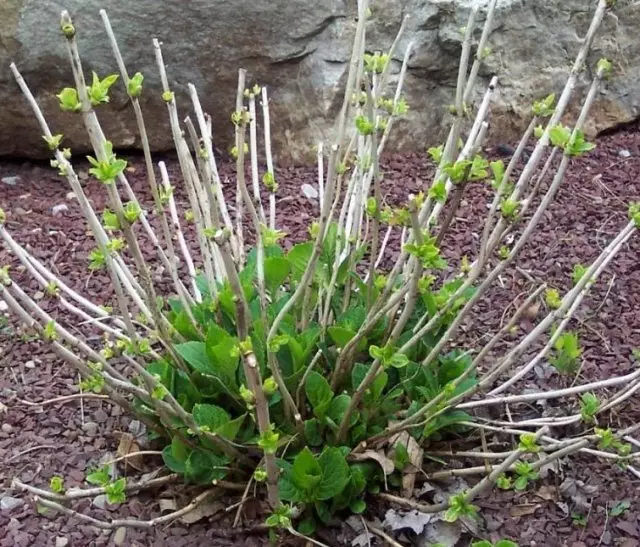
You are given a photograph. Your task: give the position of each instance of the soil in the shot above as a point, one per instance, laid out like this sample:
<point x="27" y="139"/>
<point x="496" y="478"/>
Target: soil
<point x="569" y="506"/>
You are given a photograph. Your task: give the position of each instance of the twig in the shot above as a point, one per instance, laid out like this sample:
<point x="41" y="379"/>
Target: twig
<point x="128" y="523"/>
<point x="133" y="455"/>
<point x="81" y="493"/>
<point x="386" y="537"/>
<point x="411" y="504"/>
<point x="32" y="449"/>
<point x="64" y="399"/>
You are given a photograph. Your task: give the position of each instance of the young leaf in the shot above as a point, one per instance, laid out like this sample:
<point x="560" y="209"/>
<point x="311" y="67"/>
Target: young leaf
<point x="69" y="101"/>
<point x="335" y="473"/>
<point x="319" y="393"/>
<point x="299" y="257"/>
<point x="134" y="86"/>
<point x="99" y="476"/>
<point x="203" y="467"/>
<point x="276" y="270"/>
<point x="341" y="335"/>
<point x="210" y="416"/>
<point x="306" y="472"/>
<point x="195" y="354"/>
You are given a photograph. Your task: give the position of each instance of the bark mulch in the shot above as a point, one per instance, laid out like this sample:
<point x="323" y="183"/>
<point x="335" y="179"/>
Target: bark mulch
<point x="571" y="507"/>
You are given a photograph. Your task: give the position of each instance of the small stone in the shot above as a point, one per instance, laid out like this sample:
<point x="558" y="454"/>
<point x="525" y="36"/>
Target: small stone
<point x="7" y="428"/>
<point x="100" y="501"/>
<point x="3" y="306"/>
<point x="83" y="175"/>
<point x="100" y="416"/>
<point x="624" y="153"/>
<point x="38" y="295"/>
<point x="119" y="536"/>
<point x="71" y="195"/>
<point x="62" y="541"/>
<point x="11" y="180"/>
<point x="309" y="191"/>
<point x="30" y="364"/>
<point x="90" y="428"/>
<point x="7" y="503"/>
<point x="59" y="209"/>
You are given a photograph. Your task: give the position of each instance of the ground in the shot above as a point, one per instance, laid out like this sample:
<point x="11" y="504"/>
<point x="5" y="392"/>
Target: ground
<point x="570" y="506"/>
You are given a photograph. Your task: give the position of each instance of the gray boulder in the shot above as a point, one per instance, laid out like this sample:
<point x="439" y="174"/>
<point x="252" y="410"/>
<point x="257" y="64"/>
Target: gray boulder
<point x="300" y="49"/>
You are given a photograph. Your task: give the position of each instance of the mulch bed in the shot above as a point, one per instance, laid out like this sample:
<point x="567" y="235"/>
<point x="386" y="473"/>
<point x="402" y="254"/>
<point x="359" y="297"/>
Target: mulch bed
<point x="65" y="439"/>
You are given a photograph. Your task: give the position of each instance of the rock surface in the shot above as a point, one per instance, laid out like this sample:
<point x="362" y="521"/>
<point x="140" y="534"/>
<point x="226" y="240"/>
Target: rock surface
<point x="300" y="49"/>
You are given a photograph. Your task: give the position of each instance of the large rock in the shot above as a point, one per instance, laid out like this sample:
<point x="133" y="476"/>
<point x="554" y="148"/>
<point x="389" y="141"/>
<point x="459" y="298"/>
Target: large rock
<point x="300" y="50"/>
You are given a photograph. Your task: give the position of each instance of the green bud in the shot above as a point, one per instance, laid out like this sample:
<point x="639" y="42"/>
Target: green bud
<point x="68" y="30"/>
<point x="260" y="475"/>
<point x="247" y="395"/>
<point x="4" y="276"/>
<point x="270" y="386"/>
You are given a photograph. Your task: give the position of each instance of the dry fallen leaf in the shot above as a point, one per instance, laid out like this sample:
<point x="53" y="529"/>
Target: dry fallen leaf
<point x="412" y="520"/>
<point x="387" y="465"/>
<point x="167" y="505"/>
<point x="128" y="445"/>
<point x="416" y="454"/>
<point x="207" y="508"/>
<point x="546" y="492"/>
<point x="524" y="509"/>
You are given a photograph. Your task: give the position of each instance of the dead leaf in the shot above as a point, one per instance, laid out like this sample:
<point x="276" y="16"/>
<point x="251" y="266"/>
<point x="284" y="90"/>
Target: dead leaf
<point x="128" y="445"/>
<point x="443" y="533"/>
<point x="387" y="465"/>
<point x="416" y="454"/>
<point x="524" y="509"/>
<point x="579" y="493"/>
<point x="546" y="492"/>
<point x="167" y="505"/>
<point x="205" y="509"/>
<point x="412" y="520"/>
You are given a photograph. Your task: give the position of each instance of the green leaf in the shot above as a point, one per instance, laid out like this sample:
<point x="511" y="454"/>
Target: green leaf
<point x="358" y="507"/>
<point x="276" y="270"/>
<point x="307" y="526"/>
<point x="341" y="335"/>
<point x="335" y="473"/>
<point x="195" y="354"/>
<point x="171" y="462"/>
<point x="231" y="429"/>
<point x="446" y="420"/>
<point x="299" y="257"/>
<point x="306" y="472"/>
<point x="134" y="86"/>
<point x="505" y="543"/>
<point x="99" y="90"/>
<point x="319" y="393"/>
<point x="99" y="476"/>
<point x="338" y="407"/>
<point x="312" y="432"/>
<point x="400" y="456"/>
<point x="620" y="508"/>
<point x="69" y="101"/>
<point x="224" y="360"/>
<point x="115" y="491"/>
<point x="323" y="511"/>
<point x="378" y="385"/>
<point x="483" y="543"/>
<point x="203" y="467"/>
<point x="287" y="489"/>
<point x="210" y="416"/>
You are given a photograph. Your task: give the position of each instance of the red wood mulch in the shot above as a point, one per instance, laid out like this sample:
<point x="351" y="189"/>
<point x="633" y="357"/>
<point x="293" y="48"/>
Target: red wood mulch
<point x="587" y="213"/>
